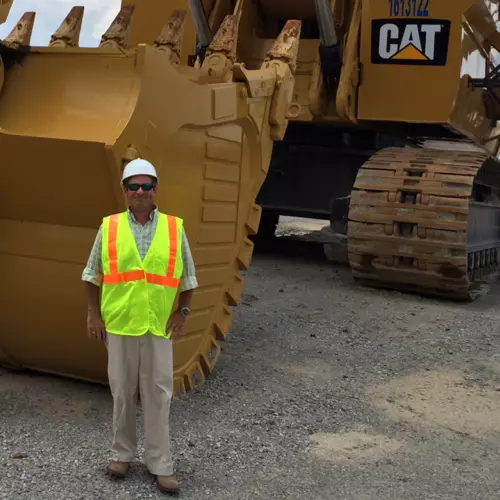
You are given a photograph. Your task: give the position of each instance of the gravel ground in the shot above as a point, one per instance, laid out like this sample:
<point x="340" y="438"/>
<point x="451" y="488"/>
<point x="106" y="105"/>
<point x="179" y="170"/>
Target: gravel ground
<point x="324" y="390"/>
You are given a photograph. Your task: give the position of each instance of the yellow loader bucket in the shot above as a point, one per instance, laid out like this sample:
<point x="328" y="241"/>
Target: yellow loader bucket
<point x="70" y="119"/>
<point x="5" y="6"/>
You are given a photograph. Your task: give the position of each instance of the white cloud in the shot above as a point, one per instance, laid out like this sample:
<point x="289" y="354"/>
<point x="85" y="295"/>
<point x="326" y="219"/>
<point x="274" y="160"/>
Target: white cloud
<point x="106" y="19"/>
<point x="49" y="15"/>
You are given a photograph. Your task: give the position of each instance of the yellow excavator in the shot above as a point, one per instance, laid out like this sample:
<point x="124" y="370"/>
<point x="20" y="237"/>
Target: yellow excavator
<point x="395" y="140"/>
<point x="369" y="108"/>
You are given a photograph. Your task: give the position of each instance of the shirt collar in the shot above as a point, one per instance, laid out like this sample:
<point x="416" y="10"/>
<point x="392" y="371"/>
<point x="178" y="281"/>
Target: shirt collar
<point x="152" y="215"/>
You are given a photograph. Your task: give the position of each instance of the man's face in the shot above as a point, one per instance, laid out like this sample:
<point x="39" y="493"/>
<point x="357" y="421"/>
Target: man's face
<point x="140" y="191"/>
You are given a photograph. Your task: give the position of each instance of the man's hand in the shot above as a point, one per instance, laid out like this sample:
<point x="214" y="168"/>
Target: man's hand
<point x="95" y="326"/>
<point x="175" y="324"/>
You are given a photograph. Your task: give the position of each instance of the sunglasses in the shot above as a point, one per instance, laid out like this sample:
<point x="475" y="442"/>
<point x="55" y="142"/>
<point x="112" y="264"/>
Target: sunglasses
<point x="145" y="187"/>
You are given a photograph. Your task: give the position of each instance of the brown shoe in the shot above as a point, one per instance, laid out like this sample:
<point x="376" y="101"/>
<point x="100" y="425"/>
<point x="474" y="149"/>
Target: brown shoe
<point x="167" y="484"/>
<point x="117" y="469"/>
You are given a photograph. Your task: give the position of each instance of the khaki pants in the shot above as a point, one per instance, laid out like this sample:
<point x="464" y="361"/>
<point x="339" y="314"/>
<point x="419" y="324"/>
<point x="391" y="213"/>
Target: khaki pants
<point x="143" y="363"/>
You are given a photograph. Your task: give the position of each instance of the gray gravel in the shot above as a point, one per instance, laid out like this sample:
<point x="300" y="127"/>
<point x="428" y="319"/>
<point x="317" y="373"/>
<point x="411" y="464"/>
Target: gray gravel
<point x="325" y="390"/>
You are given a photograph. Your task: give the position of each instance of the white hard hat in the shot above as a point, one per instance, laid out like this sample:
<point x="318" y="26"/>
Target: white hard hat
<point x="139" y="167"/>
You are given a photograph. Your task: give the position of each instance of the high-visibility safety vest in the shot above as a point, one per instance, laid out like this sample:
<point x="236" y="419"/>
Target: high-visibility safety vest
<point x="138" y="296"/>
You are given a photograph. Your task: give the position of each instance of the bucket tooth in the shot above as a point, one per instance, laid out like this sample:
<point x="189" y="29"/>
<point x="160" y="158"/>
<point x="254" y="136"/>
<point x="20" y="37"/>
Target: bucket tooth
<point x="282" y="61"/>
<point x="286" y="47"/>
<point x="118" y="33"/>
<point x="21" y="34"/>
<point x="226" y="39"/>
<point x="68" y="34"/>
<point x="221" y="53"/>
<point x="170" y="39"/>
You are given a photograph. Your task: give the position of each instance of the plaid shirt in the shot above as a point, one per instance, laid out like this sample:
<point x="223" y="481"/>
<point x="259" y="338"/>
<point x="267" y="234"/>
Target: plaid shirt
<point x="143" y="236"/>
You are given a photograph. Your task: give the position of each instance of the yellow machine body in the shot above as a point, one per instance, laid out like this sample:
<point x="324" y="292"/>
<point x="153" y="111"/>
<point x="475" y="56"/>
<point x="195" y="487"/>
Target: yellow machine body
<point x="227" y="98"/>
<point x="394" y="137"/>
<point x="413" y="68"/>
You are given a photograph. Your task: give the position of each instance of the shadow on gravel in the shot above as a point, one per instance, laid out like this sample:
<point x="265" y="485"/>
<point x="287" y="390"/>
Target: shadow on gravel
<point x="293" y="248"/>
<point x="309" y="250"/>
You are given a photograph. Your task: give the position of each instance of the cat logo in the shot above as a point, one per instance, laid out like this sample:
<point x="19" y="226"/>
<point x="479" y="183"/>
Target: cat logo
<point x="410" y="41"/>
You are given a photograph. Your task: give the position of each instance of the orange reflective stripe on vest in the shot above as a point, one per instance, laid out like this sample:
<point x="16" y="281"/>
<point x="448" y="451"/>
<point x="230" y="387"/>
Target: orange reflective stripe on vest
<point x="114" y="277"/>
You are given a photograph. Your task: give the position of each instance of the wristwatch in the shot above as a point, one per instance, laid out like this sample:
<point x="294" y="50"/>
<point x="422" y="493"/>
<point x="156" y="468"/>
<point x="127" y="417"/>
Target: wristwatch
<point x="185" y="311"/>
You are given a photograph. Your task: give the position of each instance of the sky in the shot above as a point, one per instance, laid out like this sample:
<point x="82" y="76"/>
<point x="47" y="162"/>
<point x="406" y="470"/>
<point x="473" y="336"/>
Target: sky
<point x="50" y="14"/>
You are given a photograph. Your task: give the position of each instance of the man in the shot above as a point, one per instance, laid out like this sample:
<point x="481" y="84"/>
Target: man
<point x="142" y="261"/>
